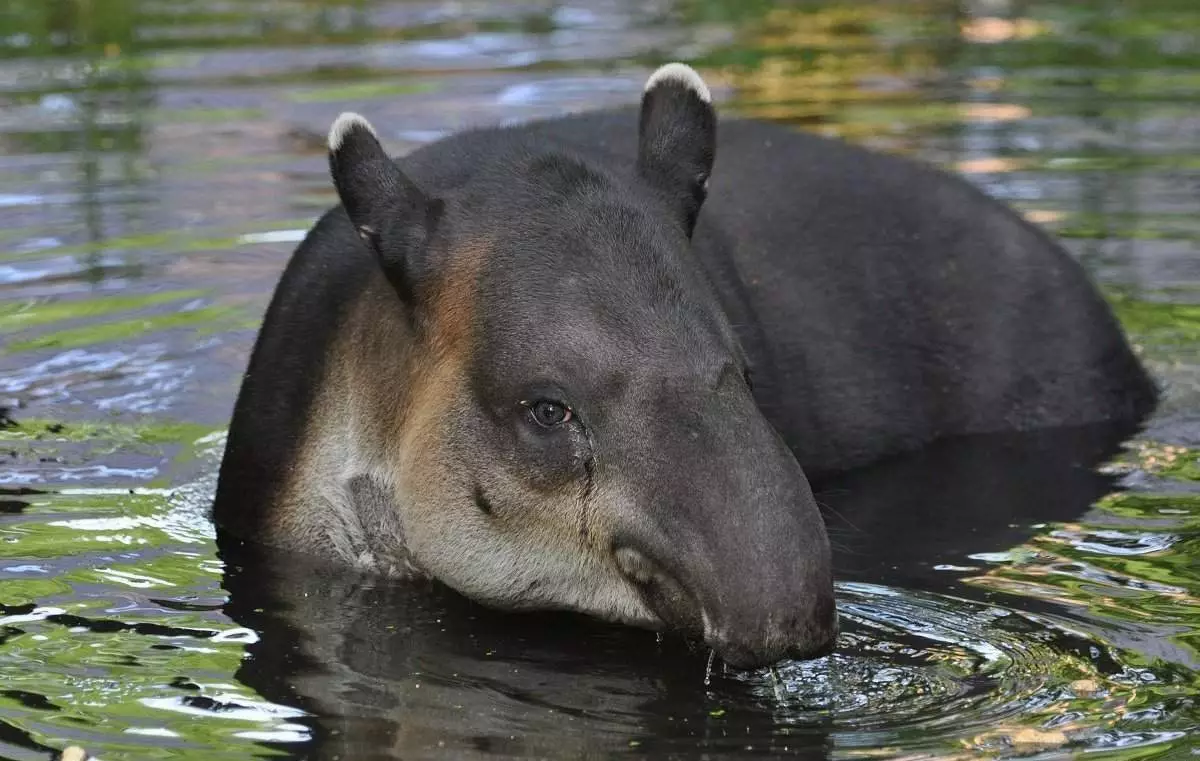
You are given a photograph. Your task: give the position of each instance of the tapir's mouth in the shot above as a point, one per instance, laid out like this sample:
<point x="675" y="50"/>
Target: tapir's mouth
<point x="669" y="600"/>
<point x="741" y="651"/>
<point x="750" y="636"/>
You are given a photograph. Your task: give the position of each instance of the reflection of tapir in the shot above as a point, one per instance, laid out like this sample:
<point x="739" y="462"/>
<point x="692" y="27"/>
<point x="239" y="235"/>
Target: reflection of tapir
<point x="520" y="360"/>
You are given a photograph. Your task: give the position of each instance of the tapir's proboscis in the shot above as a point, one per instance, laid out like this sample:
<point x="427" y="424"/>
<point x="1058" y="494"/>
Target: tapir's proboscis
<point x="591" y="363"/>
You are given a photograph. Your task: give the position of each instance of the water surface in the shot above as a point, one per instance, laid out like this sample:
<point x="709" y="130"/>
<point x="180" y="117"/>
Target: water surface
<point x="158" y="161"/>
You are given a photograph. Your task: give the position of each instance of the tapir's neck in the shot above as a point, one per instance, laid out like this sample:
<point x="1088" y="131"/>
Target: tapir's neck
<point x="344" y="468"/>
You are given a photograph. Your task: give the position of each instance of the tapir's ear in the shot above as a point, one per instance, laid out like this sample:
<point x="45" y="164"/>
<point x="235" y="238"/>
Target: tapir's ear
<point x="677" y="137"/>
<point x="388" y="211"/>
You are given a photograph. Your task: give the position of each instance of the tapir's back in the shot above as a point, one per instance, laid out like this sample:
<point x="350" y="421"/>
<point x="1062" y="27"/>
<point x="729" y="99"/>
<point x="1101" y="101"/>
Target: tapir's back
<point x="886" y="303"/>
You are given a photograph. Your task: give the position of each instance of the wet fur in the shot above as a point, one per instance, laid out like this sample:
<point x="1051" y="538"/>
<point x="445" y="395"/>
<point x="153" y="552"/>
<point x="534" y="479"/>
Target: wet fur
<point x="883" y="305"/>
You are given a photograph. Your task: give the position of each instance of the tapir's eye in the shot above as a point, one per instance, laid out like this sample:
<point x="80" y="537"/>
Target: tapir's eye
<point x="549" y="414"/>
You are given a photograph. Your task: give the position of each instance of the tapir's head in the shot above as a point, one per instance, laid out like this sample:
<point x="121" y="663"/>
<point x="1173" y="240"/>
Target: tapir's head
<point x="578" y="428"/>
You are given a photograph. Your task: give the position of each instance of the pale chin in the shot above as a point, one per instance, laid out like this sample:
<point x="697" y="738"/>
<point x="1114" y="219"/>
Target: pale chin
<point x="639" y="616"/>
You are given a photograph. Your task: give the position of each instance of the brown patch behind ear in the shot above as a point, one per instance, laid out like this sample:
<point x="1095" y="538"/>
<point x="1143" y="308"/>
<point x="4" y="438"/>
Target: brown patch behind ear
<point x="440" y="468"/>
<point x="377" y="412"/>
<point x="413" y="438"/>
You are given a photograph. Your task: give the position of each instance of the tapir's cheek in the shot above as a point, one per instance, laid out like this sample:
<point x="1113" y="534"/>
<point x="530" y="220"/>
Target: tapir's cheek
<point x="549" y="460"/>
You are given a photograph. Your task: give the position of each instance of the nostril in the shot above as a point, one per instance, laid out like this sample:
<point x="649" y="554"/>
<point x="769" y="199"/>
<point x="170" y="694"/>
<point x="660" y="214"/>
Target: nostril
<point x="663" y="590"/>
<point x="635" y="565"/>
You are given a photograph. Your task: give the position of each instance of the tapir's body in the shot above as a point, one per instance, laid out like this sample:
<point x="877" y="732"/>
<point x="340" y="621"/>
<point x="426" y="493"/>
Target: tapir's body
<point x="880" y="305"/>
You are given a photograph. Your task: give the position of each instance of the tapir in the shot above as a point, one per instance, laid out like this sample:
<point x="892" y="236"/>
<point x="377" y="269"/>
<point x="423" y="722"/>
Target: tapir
<point x="591" y="363"/>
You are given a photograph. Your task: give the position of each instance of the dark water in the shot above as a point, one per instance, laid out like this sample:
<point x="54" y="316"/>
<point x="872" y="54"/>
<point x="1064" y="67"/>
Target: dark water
<point x="158" y="160"/>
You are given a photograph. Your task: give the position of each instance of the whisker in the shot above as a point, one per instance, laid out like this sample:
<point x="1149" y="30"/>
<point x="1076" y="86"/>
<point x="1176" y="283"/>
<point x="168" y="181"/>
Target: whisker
<point x="827" y="508"/>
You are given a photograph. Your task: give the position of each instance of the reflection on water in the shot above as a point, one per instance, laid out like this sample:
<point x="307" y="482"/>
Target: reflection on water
<point x="157" y="162"/>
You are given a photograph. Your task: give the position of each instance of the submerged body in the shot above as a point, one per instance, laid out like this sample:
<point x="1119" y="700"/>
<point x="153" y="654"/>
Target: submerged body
<point x="555" y="365"/>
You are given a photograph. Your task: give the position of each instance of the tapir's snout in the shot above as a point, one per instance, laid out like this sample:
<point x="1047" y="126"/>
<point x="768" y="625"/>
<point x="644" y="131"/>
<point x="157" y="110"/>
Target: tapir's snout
<point x="733" y="548"/>
<point x="804" y="630"/>
<point x="750" y="621"/>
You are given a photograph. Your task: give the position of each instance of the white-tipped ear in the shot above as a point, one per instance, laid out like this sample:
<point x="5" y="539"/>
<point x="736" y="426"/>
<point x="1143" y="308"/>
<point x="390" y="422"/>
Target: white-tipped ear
<point x="389" y="212"/>
<point x="680" y="74"/>
<point x="344" y="125"/>
<point x="677" y="138"/>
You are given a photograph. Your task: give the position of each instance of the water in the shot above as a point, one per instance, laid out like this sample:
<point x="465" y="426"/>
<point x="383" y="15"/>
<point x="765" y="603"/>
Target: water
<point x="157" y="162"/>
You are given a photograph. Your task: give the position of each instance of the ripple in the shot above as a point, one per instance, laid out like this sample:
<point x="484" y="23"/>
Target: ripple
<point x="37" y="614"/>
<point x="1111" y="542"/>
<point x="224" y="706"/>
<point x="952" y="672"/>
